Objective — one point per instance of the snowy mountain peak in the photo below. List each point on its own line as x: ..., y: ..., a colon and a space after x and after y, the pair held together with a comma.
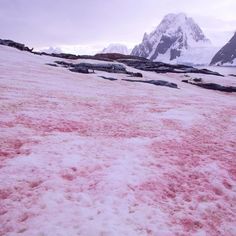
x: 116, y: 48
x: 181, y: 17
x: 175, y: 35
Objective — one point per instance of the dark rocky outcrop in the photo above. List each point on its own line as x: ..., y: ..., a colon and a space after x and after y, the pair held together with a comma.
x: 19, y: 46
x: 116, y: 56
x: 212, y: 86
x: 197, y: 80
x: 138, y: 75
x: 111, y: 68
x: 87, y: 68
x: 140, y: 64
x: 108, y: 78
x: 154, y: 82
x: 80, y: 69
x: 52, y: 64
x: 100, y: 57
x: 64, y: 64
x: 159, y: 67
x: 65, y: 56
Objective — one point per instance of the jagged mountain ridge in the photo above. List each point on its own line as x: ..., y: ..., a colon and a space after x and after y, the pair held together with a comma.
x: 174, y: 37
x: 227, y: 54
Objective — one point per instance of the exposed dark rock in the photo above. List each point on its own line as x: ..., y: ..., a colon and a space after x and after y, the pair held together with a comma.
x: 116, y: 56
x: 100, y: 57
x: 227, y: 54
x: 88, y: 67
x: 174, y: 53
x: 16, y: 45
x: 159, y: 67
x: 108, y: 78
x: 197, y: 80
x: 80, y: 69
x: 65, y: 56
x: 64, y: 64
x: 218, y: 87
x: 232, y: 75
x: 212, y: 86
x: 111, y: 68
x: 154, y: 82
x: 131, y: 74
x: 52, y: 64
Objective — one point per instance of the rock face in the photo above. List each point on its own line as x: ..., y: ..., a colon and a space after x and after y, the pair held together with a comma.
x: 116, y: 48
x: 173, y: 40
x: 86, y: 68
x: 227, y: 54
x: 14, y: 44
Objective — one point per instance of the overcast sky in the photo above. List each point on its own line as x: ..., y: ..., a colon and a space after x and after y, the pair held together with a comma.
x: 89, y: 25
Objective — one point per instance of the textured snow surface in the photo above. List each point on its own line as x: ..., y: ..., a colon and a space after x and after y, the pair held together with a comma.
x: 84, y: 156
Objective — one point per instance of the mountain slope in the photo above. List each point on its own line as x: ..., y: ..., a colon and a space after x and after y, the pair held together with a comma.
x: 116, y: 48
x: 227, y: 54
x: 176, y: 36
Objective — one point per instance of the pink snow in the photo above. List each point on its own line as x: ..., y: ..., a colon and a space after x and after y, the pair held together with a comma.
x: 84, y: 156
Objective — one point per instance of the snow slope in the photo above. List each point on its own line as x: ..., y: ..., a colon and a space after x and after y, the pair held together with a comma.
x: 80, y: 155
x: 177, y: 39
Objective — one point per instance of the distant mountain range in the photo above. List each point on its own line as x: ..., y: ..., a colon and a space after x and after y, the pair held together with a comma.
x: 226, y: 55
x: 117, y: 48
x: 52, y: 50
x: 177, y: 39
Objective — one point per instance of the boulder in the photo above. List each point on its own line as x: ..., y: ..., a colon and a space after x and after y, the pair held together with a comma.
x: 108, y: 78
x: 212, y: 86
x: 154, y: 82
x: 79, y: 69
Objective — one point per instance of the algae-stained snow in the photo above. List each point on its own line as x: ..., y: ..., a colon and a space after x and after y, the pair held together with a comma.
x: 80, y: 155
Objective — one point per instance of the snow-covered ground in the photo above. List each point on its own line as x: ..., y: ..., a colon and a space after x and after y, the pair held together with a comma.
x: 80, y: 155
